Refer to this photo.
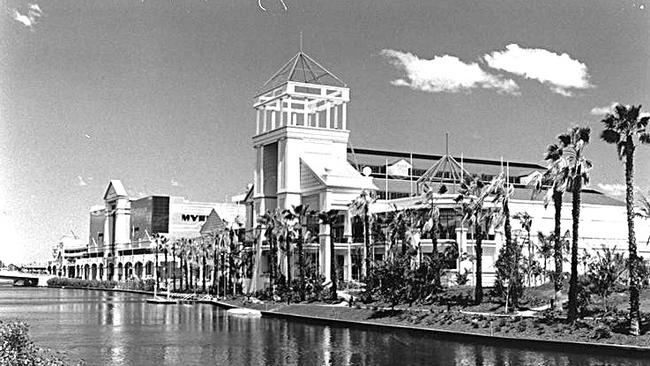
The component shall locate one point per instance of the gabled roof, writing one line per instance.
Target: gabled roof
(115, 189)
(302, 68)
(332, 172)
(213, 224)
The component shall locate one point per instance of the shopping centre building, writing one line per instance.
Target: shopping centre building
(120, 244)
(303, 156)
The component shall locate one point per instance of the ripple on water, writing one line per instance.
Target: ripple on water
(106, 328)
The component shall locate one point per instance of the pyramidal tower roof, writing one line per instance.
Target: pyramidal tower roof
(303, 69)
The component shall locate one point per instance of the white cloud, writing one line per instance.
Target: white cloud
(599, 111)
(174, 182)
(614, 189)
(560, 72)
(80, 181)
(30, 18)
(445, 74)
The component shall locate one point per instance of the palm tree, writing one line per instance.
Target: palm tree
(545, 248)
(554, 180)
(297, 215)
(286, 227)
(526, 222)
(361, 207)
(175, 245)
(204, 250)
(159, 243)
(328, 218)
(472, 197)
(271, 225)
(622, 126)
(573, 144)
(503, 191)
(430, 197)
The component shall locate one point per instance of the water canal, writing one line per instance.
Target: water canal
(112, 328)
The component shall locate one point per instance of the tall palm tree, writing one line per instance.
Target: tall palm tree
(159, 242)
(297, 215)
(328, 218)
(554, 180)
(472, 197)
(271, 225)
(286, 227)
(622, 126)
(573, 144)
(526, 222)
(175, 246)
(430, 196)
(361, 207)
(503, 190)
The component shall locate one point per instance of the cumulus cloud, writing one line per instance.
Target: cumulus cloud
(445, 74)
(559, 71)
(30, 18)
(615, 189)
(81, 182)
(599, 111)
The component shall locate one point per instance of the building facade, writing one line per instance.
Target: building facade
(120, 244)
(303, 157)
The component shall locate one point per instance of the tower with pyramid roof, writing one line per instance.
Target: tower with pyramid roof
(300, 141)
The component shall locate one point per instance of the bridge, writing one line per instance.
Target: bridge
(25, 279)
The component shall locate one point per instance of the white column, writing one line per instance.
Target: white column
(328, 121)
(289, 117)
(257, 121)
(264, 128)
(344, 116)
(273, 113)
(336, 116)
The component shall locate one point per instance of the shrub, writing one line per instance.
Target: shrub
(601, 332)
(17, 348)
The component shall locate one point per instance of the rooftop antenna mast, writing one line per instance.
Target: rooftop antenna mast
(300, 41)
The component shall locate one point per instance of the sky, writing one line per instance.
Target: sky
(159, 93)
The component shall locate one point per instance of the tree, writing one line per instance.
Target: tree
(430, 197)
(509, 274)
(296, 216)
(554, 179)
(328, 218)
(545, 248)
(472, 197)
(287, 227)
(622, 126)
(604, 272)
(361, 207)
(160, 244)
(573, 144)
(526, 223)
(271, 224)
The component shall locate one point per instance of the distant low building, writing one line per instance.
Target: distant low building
(121, 232)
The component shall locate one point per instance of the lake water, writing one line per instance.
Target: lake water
(106, 328)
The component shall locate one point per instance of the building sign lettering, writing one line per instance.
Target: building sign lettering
(193, 218)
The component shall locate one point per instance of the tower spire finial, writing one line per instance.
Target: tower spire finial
(300, 41)
(446, 143)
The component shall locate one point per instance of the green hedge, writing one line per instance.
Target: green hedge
(136, 284)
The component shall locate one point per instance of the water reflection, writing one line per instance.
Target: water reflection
(120, 329)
